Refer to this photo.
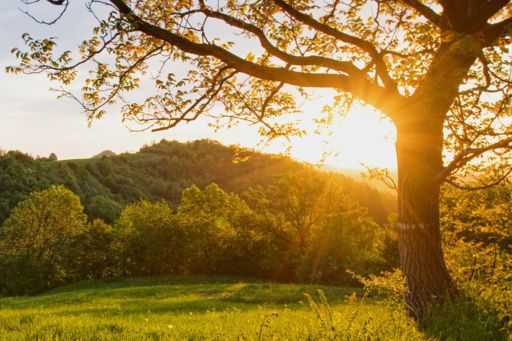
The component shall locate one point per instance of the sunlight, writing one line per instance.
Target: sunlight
(362, 137)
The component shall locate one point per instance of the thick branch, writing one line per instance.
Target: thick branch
(454, 12)
(494, 7)
(428, 13)
(496, 31)
(358, 85)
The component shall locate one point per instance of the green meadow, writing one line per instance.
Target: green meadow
(217, 308)
(198, 308)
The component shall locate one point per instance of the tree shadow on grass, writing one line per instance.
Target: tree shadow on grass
(464, 320)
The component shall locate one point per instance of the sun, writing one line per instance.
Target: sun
(362, 137)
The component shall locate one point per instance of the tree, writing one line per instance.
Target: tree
(298, 200)
(149, 238)
(440, 70)
(292, 209)
(100, 206)
(95, 249)
(220, 234)
(39, 235)
(319, 232)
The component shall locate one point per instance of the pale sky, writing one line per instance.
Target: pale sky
(35, 122)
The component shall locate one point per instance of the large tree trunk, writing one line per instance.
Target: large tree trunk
(419, 154)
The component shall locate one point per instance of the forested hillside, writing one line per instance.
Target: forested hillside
(161, 171)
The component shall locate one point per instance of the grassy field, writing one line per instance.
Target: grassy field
(199, 308)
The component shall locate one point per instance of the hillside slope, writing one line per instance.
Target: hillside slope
(160, 172)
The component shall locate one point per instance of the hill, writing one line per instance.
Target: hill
(160, 172)
(105, 153)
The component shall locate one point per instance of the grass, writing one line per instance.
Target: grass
(195, 308)
(203, 308)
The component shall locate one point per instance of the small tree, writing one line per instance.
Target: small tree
(298, 199)
(220, 230)
(319, 233)
(41, 231)
(149, 238)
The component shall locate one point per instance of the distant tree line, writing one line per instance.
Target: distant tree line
(299, 227)
(160, 172)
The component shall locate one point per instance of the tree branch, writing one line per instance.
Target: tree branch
(454, 12)
(64, 3)
(496, 31)
(494, 6)
(467, 155)
(358, 85)
(347, 38)
(485, 186)
(428, 13)
(345, 67)
(201, 103)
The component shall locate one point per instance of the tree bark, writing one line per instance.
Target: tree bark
(419, 154)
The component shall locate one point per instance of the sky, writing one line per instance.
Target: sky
(36, 122)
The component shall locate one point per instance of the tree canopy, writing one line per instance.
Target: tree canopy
(37, 239)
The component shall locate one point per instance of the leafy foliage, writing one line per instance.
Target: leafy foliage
(319, 229)
(441, 74)
(222, 230)
(299, 227)
(476, 239)
(150, 240)
(38, 237)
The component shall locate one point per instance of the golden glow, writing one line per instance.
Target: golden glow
(362, 137)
